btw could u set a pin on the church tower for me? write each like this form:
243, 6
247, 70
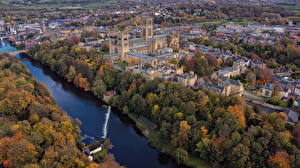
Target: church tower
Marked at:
119, 44
147, 30
44, 27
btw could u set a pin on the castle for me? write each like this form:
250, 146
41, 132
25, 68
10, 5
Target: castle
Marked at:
148, 49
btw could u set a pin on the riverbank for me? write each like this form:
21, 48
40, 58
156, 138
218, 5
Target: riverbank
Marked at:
122, 132
152, 136
191, 161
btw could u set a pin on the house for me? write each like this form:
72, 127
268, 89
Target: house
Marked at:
227, 72
214, 88
267, 90
231, 87
187, 79
92, 149
108, 95
226, 87
242, 64
284, 92
255, 64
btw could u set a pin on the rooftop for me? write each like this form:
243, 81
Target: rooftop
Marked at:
136, 40
140, 55
138, 47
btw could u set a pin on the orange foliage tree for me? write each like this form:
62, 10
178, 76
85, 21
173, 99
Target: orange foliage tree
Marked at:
281, 159
239, 113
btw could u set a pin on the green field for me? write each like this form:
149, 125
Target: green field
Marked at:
291, 7
237, 21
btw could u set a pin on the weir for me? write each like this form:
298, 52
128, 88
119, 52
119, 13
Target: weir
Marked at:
2, 42
106, 122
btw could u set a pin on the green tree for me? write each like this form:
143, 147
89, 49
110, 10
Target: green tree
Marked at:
98, 88
138, 104
181, 155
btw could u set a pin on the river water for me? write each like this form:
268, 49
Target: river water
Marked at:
131, 148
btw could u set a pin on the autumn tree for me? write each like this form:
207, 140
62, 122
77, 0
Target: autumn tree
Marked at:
238, 112
280, 159
109, 162
251, 78
203, 102
72, 74
85, 84
296, 133
265, 75
181, 139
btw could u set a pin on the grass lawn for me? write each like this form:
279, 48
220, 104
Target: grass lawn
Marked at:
123, 63
192, 161
291, 7
236, 21
196, 162
99, 156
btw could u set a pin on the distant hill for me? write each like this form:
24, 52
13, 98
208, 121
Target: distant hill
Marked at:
67, 4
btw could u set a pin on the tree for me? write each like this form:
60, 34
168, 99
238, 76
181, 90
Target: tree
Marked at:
109, 162
72, 73
98, 88
238, 112
236, 137
281, 159
203, 102
251, 78
181, 139
265, 75
212, 61
85, 84
191, 64
240, 155
165, 132
156, 112
255, 57
17, 151
181, 155
202, 148
138, 104
202, 68
77, 80
291, 103
296, 133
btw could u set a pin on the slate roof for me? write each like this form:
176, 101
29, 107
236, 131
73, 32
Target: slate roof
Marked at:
165, 55
138, 47
140, 55
292, 115
136, 40
213, 87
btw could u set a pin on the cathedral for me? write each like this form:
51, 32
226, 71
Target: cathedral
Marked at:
148, 49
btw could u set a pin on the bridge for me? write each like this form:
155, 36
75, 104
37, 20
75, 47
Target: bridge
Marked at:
14, 53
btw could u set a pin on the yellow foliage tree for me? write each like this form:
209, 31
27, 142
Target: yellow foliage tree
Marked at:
238, 112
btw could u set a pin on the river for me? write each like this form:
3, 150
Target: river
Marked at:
130, 147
